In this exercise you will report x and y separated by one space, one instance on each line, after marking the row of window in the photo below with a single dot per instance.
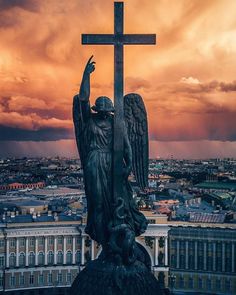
219 266
200 245
40 280
41 241
41 258
209 284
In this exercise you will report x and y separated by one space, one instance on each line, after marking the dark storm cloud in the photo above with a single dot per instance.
4 103
46 134
30 5
226 87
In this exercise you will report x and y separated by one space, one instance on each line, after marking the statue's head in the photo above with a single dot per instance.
103 104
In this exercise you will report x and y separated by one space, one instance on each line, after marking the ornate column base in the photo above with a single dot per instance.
104 277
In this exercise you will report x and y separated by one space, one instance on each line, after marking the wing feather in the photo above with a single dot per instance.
137 128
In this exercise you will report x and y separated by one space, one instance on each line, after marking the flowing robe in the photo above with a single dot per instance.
94 136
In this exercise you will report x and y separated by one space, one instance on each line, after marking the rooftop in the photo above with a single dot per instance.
217 185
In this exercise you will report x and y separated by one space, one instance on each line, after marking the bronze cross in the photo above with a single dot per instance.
118 39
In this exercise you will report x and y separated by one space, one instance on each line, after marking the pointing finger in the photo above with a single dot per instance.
89 59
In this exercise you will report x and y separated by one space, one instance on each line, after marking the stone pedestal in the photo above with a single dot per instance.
103 277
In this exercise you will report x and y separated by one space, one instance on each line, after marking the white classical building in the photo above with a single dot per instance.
40 255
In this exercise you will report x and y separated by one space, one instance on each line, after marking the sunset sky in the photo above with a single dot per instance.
187 80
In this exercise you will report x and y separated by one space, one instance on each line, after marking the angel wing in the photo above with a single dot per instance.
137 129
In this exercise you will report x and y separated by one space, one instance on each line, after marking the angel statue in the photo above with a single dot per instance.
94 137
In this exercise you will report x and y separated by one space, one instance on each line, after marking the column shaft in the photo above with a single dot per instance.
196 256
205 256
233 258
186 254
223 256
7 254
83 250
214 256
166 251
17 252
73 250
177 258
36 250
26 251
46 250
64 250
156 250
55 250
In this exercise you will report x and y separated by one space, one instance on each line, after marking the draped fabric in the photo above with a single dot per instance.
94 137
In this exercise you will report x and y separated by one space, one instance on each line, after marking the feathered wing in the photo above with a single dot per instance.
137 129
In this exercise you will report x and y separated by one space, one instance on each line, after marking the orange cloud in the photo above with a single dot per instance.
187 80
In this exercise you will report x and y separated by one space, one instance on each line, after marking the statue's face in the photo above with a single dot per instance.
103 114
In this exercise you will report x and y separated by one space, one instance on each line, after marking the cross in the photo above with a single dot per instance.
118 39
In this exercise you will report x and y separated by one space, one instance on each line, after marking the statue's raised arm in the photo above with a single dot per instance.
81 109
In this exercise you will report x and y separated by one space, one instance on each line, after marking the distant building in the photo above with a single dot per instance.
38 256
42 254
52 192
216 186
18 186
203 258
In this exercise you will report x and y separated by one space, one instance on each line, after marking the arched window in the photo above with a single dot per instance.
31 259
22 259
41 258
59 257
50 257
78 257
12 260
69 257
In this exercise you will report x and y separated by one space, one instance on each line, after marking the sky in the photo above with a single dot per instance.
187 80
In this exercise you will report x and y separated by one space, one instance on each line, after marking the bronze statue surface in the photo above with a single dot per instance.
112 142
94 136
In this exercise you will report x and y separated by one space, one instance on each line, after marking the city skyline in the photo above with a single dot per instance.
187 80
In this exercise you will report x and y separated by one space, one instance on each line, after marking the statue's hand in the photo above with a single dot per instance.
90 66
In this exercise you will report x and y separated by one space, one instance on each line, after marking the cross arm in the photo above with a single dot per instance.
126 39
133 39
98 39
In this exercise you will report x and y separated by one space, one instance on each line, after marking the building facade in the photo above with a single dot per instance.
41 256
202 259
